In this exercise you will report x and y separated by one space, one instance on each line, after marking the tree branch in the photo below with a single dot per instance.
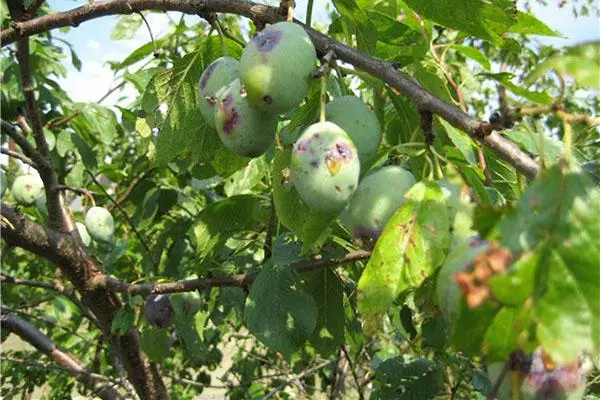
29 333
24 159
19 139
62 249
478 130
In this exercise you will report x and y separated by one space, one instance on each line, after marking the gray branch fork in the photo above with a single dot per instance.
480 131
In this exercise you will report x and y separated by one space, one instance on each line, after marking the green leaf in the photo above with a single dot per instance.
95 122
217 221
505 79
326 289
474 54
462 141
358 20
126 27
64 143
501 337
186 331
155 343
474 17
528 24
471 326
278 312
311 227
397 379
123 321
248 177
557 219
581 62
88 156
552 148
411 246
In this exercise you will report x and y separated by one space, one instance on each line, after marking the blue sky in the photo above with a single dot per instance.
91 41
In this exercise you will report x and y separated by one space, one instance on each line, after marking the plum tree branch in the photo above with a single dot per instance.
478 130
29 333
240 280
24 159
20 140
62 249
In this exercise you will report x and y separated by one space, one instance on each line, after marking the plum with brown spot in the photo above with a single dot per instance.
218 74
324 167
275 67
243 129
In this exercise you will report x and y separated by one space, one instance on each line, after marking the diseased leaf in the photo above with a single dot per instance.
397 379
411 246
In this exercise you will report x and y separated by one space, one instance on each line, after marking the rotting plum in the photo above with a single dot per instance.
27 188
243 129
218 74
100 224
359 121
158 310
325 167
377 197
275 67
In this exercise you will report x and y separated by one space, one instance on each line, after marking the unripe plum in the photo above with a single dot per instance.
83 233
219 73
275 67
378 196
359 121
243 129
325 167
27 188
100 224
158 310
3 183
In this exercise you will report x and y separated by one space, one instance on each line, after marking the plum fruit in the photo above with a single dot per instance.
158 310
3 183
100 224
27 188
219 73
359 121
378 196
243 129
325 167
275 67
83 233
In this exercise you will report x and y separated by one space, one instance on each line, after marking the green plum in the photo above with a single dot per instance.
325 167
275 67
219 73
27 188
100 224
359 121
378 196
243 129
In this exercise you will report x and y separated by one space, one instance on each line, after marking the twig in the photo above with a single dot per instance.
483 166
20 140
110 91
359 388
154 51
309 9
424 100
268 247
439 60
19 156
62 121
127 217
241 280
130 188
298 377
81 191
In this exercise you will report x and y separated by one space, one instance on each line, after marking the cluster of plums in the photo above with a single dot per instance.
242 101
29 189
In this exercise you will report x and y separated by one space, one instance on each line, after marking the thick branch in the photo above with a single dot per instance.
80 269
385 71
29 333
241 280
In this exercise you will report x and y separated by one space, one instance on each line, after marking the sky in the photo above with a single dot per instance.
91 40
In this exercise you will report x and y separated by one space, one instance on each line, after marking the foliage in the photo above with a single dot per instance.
189 208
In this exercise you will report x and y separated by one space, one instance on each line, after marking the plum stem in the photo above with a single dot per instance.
323 97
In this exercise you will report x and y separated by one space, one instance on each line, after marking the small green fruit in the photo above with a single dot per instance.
188 303
219 73
100 224
359 121
325 167
83 233
27 188
243 129
275 67
3 183
378 196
